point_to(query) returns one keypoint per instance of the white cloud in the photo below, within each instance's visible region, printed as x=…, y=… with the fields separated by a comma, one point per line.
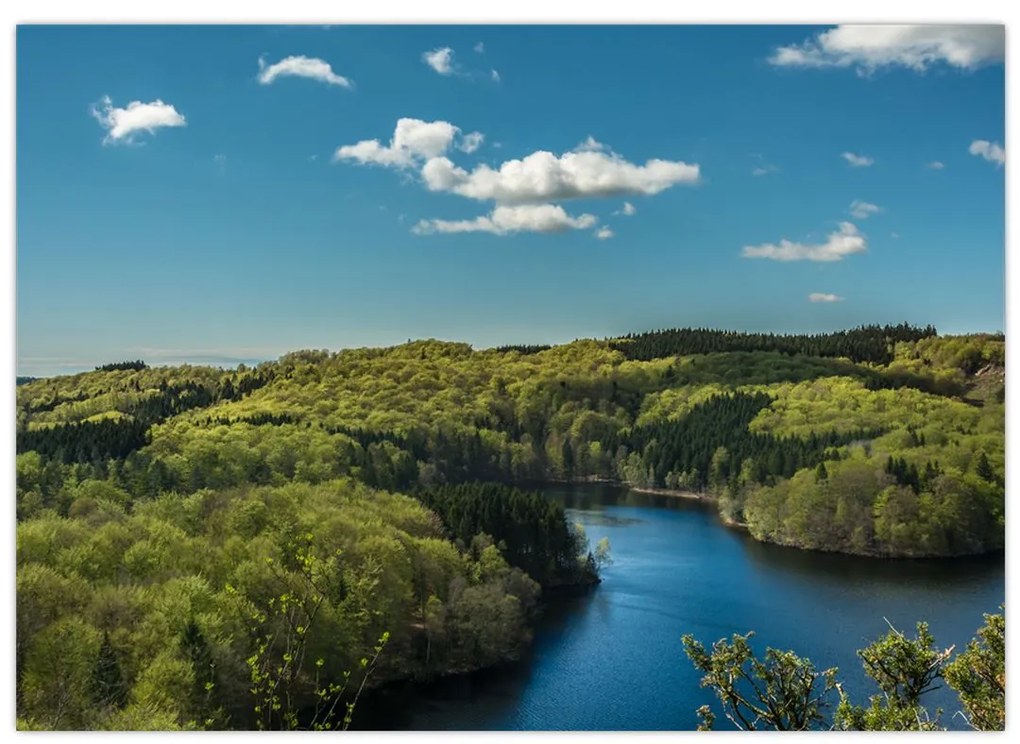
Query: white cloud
x=990, y=151
x=917, y=47
x=591, y=145
x=440, y=60
x=936, y=165
x=862, y=209
x=471, y=142
x=301, y=66
x=542, y=177
x=480, y=48
x=844, y=242
x=413, y=141
x=542, y=218
x=495, y=76
x=858, y=161
x=535, y=183
x=123, y=124
x=604, y=233
x=823, y=297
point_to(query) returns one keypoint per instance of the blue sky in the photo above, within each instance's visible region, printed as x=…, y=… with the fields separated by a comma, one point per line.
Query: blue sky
x=239, y=210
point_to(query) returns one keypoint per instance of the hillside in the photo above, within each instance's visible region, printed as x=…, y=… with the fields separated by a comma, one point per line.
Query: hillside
x=161, y=509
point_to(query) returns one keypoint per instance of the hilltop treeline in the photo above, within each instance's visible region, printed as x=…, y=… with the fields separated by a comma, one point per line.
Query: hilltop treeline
x=871, y=343
x=115, y=366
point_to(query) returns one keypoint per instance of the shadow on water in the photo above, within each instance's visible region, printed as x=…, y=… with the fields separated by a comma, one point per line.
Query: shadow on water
x=474, y=700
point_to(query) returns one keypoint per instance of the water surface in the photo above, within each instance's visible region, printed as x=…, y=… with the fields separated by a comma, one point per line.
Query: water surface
x=613, y=660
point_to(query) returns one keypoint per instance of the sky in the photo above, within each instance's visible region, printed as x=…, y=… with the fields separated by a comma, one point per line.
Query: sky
x=218, y=195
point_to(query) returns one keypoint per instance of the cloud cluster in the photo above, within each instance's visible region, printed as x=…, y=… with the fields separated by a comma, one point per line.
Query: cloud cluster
x=846, y=241
x=990, y=151
x=124, y=124
x=590, y=171
x=544, y=176
x=862, y=209
x=917, y=47
x=858, y=161
x=824, y=297
x=503, y=220
x=301, y=66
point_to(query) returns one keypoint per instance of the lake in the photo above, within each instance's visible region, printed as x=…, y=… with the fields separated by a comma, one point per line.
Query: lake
x=612, y=659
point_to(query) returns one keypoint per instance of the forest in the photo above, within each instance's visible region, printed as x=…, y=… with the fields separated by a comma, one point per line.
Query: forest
x=210, y=548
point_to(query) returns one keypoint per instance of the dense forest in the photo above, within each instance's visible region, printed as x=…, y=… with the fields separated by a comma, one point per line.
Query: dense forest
x=244, y=548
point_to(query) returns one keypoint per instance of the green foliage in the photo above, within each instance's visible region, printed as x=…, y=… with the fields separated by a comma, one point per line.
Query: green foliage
x=156, y=504
x=784, y=692
x=904, y=670
x=781, y=691
x=979, y=674
x=531, y=528
x=165, y=597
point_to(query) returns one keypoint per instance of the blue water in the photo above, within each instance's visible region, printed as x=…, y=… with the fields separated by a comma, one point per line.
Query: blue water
x=612, y=660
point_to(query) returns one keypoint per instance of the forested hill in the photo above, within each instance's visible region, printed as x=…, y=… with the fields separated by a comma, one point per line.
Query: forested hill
x=164, y=510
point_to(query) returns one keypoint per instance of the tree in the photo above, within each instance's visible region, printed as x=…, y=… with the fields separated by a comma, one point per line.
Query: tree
x=984, y=468
x=979, y=674
x=904, y=670
x=782, y=692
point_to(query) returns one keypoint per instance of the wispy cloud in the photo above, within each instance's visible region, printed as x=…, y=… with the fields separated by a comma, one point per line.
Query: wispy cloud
x=917, y=47
x=122, y=125
x=858, y=161
x=993, y=152
x=846, y=241
x=479, y=48
x=862, y=209
x=762, y=167
x=440, y=60
x=604, y=233
x=301, y=66
x=542, y=218
x=628, y=210
x=936, y=165
x=471, y=142
x=824, y=297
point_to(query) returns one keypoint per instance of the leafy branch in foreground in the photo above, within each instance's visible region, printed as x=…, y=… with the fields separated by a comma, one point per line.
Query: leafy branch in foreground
x=904, y=669
x=281, y=682
x=979, y=675
x=785, y=692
